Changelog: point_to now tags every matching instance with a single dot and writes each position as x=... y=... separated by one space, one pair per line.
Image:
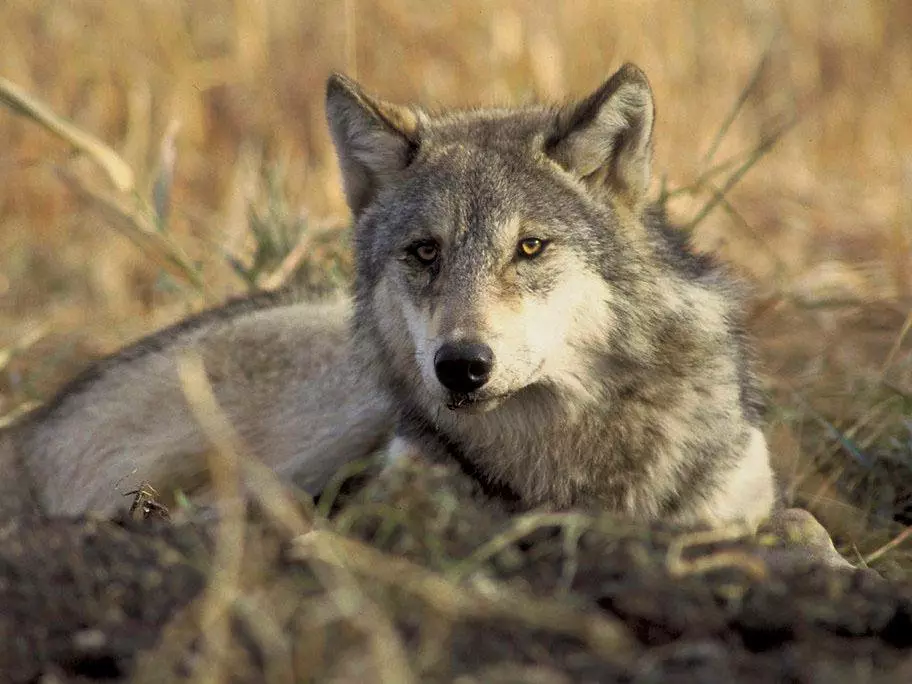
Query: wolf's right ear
x=374 y=139
x=606 y=140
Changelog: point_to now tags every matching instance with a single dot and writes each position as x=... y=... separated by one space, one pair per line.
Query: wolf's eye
x=425 y=252
x=530 y=248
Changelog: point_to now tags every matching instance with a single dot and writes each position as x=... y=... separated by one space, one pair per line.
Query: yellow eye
x=426 y=252
x=531 y=247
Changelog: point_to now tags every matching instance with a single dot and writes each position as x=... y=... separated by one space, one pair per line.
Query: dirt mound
x=412 y=579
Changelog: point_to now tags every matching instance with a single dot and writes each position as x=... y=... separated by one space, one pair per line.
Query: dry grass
x=217 y=108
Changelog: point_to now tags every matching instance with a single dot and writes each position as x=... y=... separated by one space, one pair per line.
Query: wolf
x=520 y=307
x=535 y=318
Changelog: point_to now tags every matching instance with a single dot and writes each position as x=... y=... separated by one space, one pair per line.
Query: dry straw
x=139 y=221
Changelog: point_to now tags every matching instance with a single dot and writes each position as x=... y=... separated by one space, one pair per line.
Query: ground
x=412 y=578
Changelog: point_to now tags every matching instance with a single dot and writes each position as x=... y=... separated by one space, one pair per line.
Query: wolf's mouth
x=481 y=401
x=458 y=401
x=471 y=402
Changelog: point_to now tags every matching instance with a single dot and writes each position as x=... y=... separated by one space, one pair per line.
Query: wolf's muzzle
x=463 y=367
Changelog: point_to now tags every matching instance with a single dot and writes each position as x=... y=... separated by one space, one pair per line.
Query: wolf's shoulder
x=674 y=247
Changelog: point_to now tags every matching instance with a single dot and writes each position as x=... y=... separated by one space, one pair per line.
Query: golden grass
x=217 y=108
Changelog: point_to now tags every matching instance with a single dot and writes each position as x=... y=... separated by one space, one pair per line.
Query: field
x=782 y=142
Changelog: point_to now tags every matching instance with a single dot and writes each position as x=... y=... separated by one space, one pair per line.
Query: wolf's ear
x=606 y=140
x=373 y=139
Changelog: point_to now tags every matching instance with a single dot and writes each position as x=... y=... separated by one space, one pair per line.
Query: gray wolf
x=533 y=317
x=519 y=306
x=283 y=372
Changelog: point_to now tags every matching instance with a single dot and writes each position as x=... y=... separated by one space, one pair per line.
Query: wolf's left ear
x=374 y=139
x=606 y=140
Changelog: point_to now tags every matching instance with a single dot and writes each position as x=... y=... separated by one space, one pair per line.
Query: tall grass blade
x=19 y=101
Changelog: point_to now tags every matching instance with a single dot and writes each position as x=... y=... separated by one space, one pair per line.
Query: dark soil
x=111 y=600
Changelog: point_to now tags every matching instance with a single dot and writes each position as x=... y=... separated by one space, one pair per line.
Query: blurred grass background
x=219 y=105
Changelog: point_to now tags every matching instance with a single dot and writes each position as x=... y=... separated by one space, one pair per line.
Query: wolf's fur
x=620 y=377
x=283 y=372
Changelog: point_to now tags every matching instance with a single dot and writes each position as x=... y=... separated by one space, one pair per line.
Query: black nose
x=463 y=366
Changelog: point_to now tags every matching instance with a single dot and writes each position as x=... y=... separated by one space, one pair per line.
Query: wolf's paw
x=793 y=536
x=401 y=450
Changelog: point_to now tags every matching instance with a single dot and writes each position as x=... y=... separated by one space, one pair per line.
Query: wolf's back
x=282 y=374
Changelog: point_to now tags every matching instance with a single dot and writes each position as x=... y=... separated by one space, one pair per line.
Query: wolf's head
x=491 y=244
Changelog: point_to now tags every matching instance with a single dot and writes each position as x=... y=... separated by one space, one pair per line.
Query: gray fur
x=621 y=377
x=641 y=400
x=284 y=373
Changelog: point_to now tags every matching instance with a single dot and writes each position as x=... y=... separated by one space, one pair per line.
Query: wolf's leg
x=799 y=536
x=745 y=492
x=400 y=450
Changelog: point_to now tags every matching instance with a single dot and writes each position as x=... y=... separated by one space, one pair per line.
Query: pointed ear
x=606 y=140
x=374 y=139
